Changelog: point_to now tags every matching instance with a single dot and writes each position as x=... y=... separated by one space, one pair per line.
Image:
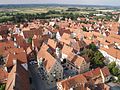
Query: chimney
x=14 y=62
x=14 y=53
x=6 y=69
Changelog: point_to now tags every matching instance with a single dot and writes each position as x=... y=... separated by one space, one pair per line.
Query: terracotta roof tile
x=22 y=57
x=66 y=49
x=3 y=75
x=96 y=72
x=105 y=71
x=112 y=51
x=49 y=59
x=75 y=81
x=18 y=79
x=52 y=43
x=76 y=60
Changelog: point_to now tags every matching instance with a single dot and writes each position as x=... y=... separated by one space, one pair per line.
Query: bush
x=115 y=71
x=118 y=78
x=2 y=87
x=30 y=40
x=111 y=65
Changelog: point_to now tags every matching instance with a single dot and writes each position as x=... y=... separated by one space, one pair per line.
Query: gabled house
x=51 y=69
x=105 y=74
x=77 y=82
x=111 y=54
x=18 y=78
x=78 y=45
x=14 y=55
x=36 y=43
x=66 y=50
x=98 y=75
x=3 y=75
x=52 y=45
x=78 y=63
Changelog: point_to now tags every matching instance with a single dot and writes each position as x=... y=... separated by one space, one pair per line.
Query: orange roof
x=13 y=50
x=77 y=60
x=75 y=81
x=52 y=43
x=114 y=38
x=49 y=59
x=18 y=79
x=8 y=44
x=96 y=72
x=36 y=42
x=105 y=71
x=22 y=57
x=88 y=74
x=112 y=51
x=65 y=36
x=65 y=41
x=87 y=41
x=29 y=50
x=66 y=49
x=44 y=46
x=3 y=75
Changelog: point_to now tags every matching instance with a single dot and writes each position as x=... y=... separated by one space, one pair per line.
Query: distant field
x=42 y=10
x=39 y=10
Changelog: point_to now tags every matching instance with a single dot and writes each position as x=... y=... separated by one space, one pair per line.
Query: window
x=30 y=80
x=56 y=80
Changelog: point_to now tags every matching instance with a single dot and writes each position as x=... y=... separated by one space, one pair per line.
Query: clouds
x=88 y=2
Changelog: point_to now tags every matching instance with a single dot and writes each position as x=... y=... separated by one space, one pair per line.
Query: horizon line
x=62 y=4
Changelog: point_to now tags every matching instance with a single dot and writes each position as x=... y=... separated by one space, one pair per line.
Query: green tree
x=111 y=65
x=30 y=40
x=88 y=52
x=118 y=78
x=2 y=87
x=115 y=71
x=93 y=47
x=84 y=29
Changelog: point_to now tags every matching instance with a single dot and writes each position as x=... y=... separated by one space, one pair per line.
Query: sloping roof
x=6 y=45
x=96 y=72
x=65 y=38
x=75 y=59
x=66 y=49
x=52 y=43
x=22 y=57
x=75 y=81
x=105 y=71
x=112 y=51
x=48 y=61
x=3 y=75
x=88 y=74
x=18 y=79
x=29 y=50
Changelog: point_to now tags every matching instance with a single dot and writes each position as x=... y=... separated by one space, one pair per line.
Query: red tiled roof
x=3 y=75
x=66 y=49
x=18 y=79
x=96 y=72
x=75 y=59
x=52 y=43
x=75 y=81
x=105 y=71
x=22 y=57
x=49 y=59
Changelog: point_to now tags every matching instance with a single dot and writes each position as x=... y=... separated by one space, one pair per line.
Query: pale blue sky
x=88 y=2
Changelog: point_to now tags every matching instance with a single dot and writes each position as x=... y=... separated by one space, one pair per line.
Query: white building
x=111 y=54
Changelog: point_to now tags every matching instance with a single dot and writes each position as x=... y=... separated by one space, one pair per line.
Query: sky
x=84 y=2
